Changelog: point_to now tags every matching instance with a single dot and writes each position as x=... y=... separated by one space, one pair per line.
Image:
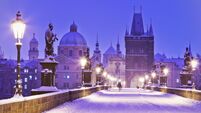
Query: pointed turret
x=189 y=47
x=118 y=46
x=126 y=33
x=137 y=24
x=97 y=44
x=151 y=30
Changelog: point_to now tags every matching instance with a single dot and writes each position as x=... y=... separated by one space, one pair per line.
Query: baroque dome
x=73 y=38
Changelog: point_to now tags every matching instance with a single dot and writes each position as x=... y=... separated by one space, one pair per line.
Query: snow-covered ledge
x=187 y=93
x=43 y=102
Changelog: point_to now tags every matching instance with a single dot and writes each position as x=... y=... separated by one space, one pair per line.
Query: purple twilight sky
x=176 y=23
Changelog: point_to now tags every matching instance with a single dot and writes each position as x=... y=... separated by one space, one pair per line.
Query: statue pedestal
x=47 y=77
x=186 y=79
x=87 y=78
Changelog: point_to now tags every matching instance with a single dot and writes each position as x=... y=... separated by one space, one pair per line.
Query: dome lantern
x=73 y=27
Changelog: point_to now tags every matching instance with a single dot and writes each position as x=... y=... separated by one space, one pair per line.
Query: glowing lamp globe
x=194 y=64
x=83 y=62
x=153 y=74
x=166 y=71
x=146 y=77
x=18 y=26
x=98 y=70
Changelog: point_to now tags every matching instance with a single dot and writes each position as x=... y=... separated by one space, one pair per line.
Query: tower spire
x=126 y=33
x=118 y=46
x=97 y=43
x=151 y=28
x=189 y=47
x=137 y=24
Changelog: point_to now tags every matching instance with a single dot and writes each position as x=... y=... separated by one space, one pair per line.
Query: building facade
x=139 y=47
x=114 y=63
x=71 y=48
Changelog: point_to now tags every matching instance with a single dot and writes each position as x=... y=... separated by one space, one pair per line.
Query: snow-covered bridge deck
x=130 y=101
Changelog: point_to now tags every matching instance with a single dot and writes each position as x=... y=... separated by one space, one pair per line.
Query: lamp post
x=83 y=62
x=141 y=80
x=105 y=76
x=165 y=73
x=18 y=26
x=153 y=75
x=98 y=70
x=146 y=79
x=194 y=64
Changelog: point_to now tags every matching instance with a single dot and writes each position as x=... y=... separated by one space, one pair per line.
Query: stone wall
x=187 y=93
x=43 y=102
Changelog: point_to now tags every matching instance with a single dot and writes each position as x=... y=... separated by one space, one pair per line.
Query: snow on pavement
x=130 y=100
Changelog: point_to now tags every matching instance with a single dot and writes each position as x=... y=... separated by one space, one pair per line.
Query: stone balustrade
x=187 y=93
x=43 y=102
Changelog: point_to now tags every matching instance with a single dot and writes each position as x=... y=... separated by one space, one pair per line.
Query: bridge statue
x=48 y=64
x=50 y=38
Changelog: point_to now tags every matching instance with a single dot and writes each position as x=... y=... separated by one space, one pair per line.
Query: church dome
x=73 y=38
x=110 y=50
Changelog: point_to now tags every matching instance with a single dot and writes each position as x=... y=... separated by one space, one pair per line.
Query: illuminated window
x=15 y=70
x=25 y=79
x=36 y=78
x=26 y=70
x=30 y=77
x=25 y=86
x=68 y=76
x=36 y=70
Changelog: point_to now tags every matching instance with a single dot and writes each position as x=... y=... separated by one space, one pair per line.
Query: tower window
x=71 y=53
x=25 y=79
x=80 y=52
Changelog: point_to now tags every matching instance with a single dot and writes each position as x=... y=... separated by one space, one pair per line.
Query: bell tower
x=33 y=48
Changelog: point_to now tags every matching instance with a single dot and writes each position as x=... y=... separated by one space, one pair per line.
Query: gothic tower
x=97 y=52
x=33 y=50
x=139 y=47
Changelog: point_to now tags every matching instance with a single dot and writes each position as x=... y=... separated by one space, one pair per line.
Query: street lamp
x=104 y=73
x=18 y=26
x=83 y=62
x=166 y=71
x=98 y=70
x=146 y=79
x=141 y=80
x=194 y=64
x=153 y=75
